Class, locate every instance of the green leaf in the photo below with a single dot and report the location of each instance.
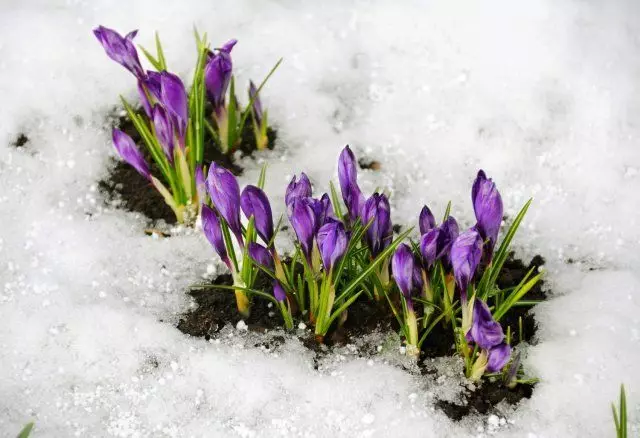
(431, 326)
(233, 129)
(156, 64)
(160, 52)
(342, 308)
(234, 288)
(623, 412)
(26, 430)
(263, 176)
(335, 200)
(447, 211)
(515, 296)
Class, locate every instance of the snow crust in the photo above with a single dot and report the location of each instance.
(543, 95)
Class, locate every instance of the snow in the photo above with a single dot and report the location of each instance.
(543, 95)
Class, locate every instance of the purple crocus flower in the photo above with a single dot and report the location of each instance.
(298, 189)
(426, 220)
(323, 210)
(487, 205)
(303, 221)
(217, 74)
(201, 187)
(257, 105)
(213, 233)
(403, 268)
(332, 243)
(466, 252)
(348, 177)
(254, 202)
(164, 130)
(379, 234)
(485, 331)
(436, 243)
(174, 98)
(260, 255)
(498, 357)
(278, 292)
(225, 194)
(130, 152)
(120, 49)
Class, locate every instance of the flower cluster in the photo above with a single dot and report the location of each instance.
(447, 277)
(173, 123)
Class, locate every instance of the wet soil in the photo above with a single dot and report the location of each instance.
(216, 308)
(133, 192)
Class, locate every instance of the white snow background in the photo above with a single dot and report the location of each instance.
(544, 95)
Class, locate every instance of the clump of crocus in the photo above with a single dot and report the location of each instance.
(172, 125)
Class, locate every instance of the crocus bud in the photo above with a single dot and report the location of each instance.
(260, 255)
(322, 209)
(225, 194)
(487, 205)
(498, 357)
(120, 49)
(257, 105)
(164, 130)
(380, 233)
(298, 189)
(348, 177)
(201, 187)
(213, 232)
(426, 220)
(174, 98)
(278, 292)
(485, 331)
(402, 266)
(466, 252)
(332, 243)
(130, 152)
(303, 221)
(254, 202)
(217, 74)
(436, 243)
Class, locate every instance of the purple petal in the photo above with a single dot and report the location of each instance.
(322, 209)
(380, 233)
(485, 331)
(303, 221)
(487, 205)
(174, 97)
(429, 246)
(130, 152)
(466, 252)
(348, 177)
(426, 221)
(217, 75)
(144, 99)
(278, 292)
(164, 130)
(498, 357)
(257, 105)
(254, 202)
(298, 189)
(225, 194)
(260, 255)
(332, 243)
(402, 266)
(226, 47)
(120, 49)
(213, 232)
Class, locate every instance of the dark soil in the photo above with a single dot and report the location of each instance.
(136, 194)
(20, 141)
(218, 307)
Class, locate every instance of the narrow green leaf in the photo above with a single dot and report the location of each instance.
(623, 412)
(26, 430)
(335, 200)
(264, 81)
(342, 308)
(233, 130)
(161, 61)
(263, 176)
(156, 64)
(447, 211)
(515, 296)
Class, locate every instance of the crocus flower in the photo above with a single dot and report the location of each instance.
(303, 221)
(120, 49)
(164, 130)
(466, 252)
(323, 210)
(403, 267)
(225, 194)
(130, 152)
(487, 205)
(379, 234)
(278, 292)
(498, 357)
(217, 74)
(298, 189)
(485, 331)
(348, 177)
(260, 255)
(213, 233)
(426, 221)
(257, 105)
(254, 202)
(332, 243)
(201, 187)
(436, 243)
(174, 98)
